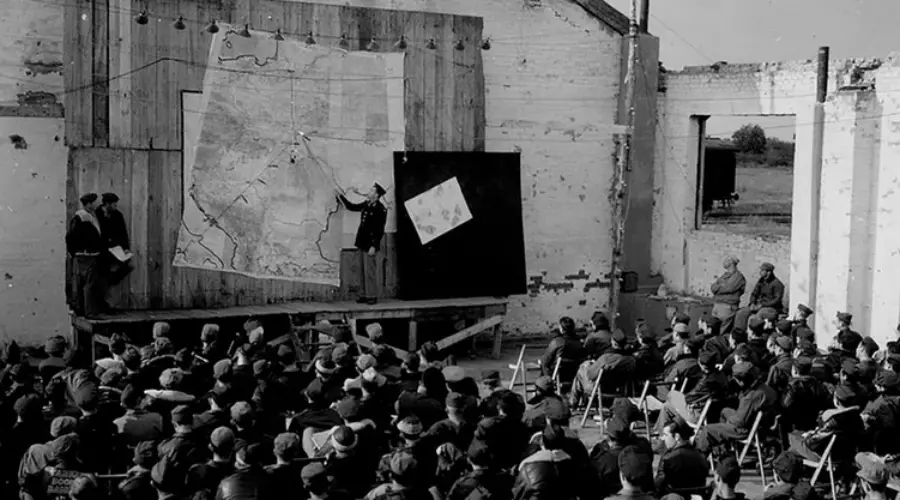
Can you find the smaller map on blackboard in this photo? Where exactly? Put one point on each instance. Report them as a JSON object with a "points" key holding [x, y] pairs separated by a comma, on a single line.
{"points": [[439, 210]]}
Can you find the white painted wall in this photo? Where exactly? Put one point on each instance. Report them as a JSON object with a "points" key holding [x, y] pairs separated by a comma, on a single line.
{"points": [[32, 229]]}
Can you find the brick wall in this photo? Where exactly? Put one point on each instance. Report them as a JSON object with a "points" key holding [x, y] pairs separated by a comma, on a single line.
{"points": [[32, 193]]}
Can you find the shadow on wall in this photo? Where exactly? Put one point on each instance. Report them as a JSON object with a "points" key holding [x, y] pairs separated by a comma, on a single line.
{"points": [[32, 246]]}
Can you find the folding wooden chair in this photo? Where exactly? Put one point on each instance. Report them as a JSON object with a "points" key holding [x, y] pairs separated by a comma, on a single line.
{"points": [[520, 373], [595, 394], [701, 422], [753, 440], [824, 462], [647, 403]]}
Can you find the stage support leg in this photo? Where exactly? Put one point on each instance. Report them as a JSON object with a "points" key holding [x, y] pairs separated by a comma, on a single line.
{"points": [[413, 334], [498, 340]]}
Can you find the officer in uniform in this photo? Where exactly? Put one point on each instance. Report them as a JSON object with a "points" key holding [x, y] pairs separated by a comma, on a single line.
{"points": [[373, 218]]}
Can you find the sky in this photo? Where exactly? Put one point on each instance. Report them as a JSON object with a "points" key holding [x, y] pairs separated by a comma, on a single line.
{"points": [[701, 32]]}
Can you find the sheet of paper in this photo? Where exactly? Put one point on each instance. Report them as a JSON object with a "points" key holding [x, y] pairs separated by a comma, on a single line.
{"points": [[120, 253], [439, 210]]}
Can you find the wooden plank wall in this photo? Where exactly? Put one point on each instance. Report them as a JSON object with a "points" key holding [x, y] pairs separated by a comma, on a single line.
{"points": [[123, 121]]}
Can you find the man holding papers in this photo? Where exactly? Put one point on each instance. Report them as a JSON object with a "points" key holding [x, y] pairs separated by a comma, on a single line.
{"points": [[115, 234]]}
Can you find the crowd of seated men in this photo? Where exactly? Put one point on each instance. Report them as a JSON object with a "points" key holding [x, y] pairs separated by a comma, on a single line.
{"points": [[234, 418]]}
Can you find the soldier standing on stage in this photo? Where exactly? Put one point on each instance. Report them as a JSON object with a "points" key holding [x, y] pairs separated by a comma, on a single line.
{"points": [[85, 244], [373, 218], [115, 234]]}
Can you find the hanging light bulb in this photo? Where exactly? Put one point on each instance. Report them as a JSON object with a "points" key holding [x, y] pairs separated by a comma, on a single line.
{"points": [[213, 28], [344, 44], [245, 31], [278, 36], [401, 43], [486, 45], [179, 23], [310, 40], [431, 45], [460, 45], [142, 18], [373, 45]]}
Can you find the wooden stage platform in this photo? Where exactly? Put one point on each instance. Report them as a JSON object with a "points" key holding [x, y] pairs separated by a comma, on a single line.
{"points": [[486, 312]]}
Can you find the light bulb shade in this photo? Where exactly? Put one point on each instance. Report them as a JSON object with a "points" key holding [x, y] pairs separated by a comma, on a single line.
{"points": [[309, 39], [179, 23], [212, 28], [245, 31], [460, 45], [486, 45], [431, 44], [401, 43], [373, 46], [142, 18]]}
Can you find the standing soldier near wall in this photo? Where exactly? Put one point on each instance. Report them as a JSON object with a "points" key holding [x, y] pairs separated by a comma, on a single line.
{"points": [[115, 234], [727, 291], [84, 243]]}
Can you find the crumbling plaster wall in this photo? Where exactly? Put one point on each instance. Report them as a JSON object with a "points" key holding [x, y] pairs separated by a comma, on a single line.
{"points": [[857, 209], [552, 80], [32, 191]]}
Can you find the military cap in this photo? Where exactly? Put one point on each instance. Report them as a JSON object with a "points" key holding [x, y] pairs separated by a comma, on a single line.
{"points": [[325, 366], [374, 331], [287, 445], [340, 354], [410, 426], [28, 405], [768, 313], [222, 438], [707, 359], [344, 439], [240, 411], [145, 454], [784, 342], [544, 384], [349, 408], [210, 332], [789, 466], [767, 266], [784, 326], [312, 471], [887, 378], [365, 362], [806, 334], [744, 369], [713, 322], [182, 415], [681, 328], [453, 374], [845, 394], [403, 463], [729, 470], [802, 362], [222, 369], [379, 190], [755, 322], [844, 317], [88, 198], [804, 309], [617, 429], [60, 426], [456, 400], [109, 198]]}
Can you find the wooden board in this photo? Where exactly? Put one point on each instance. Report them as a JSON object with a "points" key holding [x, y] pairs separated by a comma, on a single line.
{"points": [[325, 310], [142, 71]]}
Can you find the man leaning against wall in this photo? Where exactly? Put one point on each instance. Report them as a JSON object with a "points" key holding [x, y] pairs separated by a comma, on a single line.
{"points": [[727, 291]]}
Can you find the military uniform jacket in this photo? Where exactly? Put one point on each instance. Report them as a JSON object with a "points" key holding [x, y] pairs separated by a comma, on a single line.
{"points": [[372, 219]]}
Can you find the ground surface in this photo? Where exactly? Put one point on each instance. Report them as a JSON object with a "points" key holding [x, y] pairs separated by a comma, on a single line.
{"points": [[591, 434], [762, 190]]}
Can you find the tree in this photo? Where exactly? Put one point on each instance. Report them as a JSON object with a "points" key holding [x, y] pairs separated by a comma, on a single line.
{"points": [[750, 138]]}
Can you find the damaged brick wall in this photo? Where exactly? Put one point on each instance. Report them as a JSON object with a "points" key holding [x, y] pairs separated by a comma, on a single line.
{"points": [[32, 194], [687, 258]]}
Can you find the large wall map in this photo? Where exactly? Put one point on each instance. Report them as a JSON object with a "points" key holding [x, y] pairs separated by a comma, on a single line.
{"points": [[279, 126]]}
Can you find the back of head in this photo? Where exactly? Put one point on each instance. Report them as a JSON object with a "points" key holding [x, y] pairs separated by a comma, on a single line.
{"points": [[635, 467], [567, 325], [553, 437]]}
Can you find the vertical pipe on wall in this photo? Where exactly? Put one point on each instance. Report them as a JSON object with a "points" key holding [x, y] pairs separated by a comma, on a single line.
{"points": [[816, 174], [623, 164], [645, 16]]}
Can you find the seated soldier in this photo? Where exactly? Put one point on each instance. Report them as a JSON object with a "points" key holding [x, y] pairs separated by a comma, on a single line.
{"points": [[755, 397], [882, 415], [599, 339], [682, 468], [873, 478], [843, 348], [544, 400], [567, 349], [618, 369], [715, 342], [789, 483], [713, 385], [636, 475], [780, 346], [843, 422], [549, 473], [758, 342], [803, 398], [604, 457], [686, 371], [681, 333], [648, 358]]}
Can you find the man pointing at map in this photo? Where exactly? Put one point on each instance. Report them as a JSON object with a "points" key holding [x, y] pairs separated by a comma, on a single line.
{"points": [[373, 217]]}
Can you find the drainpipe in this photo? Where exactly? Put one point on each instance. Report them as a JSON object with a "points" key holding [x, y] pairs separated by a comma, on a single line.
{"points": [[645, 17], [816, 174]]}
